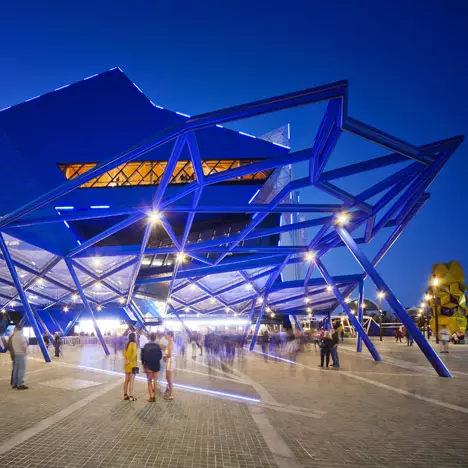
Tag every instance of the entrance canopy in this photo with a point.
(123, 200)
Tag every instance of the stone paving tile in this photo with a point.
(191, 431)
(363, 425)
(21, 409)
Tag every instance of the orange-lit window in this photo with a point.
(137, 173)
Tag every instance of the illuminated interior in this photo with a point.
(137, 173)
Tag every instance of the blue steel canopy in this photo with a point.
(239, 270)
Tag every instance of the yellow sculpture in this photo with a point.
(448, 285)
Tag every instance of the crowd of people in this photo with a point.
(154, 348)
(289, 344)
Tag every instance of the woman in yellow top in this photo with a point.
(130, 362)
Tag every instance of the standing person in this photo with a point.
(341, 330)
(46, 339)
(143, 340)
(12, 355)
(444, 336)
(151, 356)
(193, 339)
(170, 365)
(130, 366)
(20, 347)
(326, 345)
(57, 344)
(334, 350)
(265, 341)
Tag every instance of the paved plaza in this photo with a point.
(253, 413)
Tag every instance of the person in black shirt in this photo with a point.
(334, 349)
(151, 356)
(326, 345)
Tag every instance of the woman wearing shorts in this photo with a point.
(130, 366)
(151, 356)
(170, 364)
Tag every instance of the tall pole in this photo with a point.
(435, 299)
(380, 317)
(360, 314)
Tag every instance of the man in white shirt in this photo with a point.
(143, 340)
(19, 345)
(444, 335)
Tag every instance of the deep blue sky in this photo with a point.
(406, 62)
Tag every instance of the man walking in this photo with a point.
(19, 346)
(444, 336)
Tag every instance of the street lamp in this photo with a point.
(435, 287)
(427, 298)
(380, 296)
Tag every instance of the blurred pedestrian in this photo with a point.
(193, 340)
(334, 350)
(151, 356)
(46, 338)
(12, 354)
(326, 344)
(265, 340)
(57, 344)
(130, 366)
(444, 336)
(19, 345)
(143, 340)
(170, 365)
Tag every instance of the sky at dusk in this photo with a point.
(406, 62)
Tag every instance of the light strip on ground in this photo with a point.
(99, 207)
(186, 387)
(62, 208)
(274, 357)
(182, 114)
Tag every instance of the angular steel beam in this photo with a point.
(29, 313)
(358, 327)
(86, 305)
(407, 321)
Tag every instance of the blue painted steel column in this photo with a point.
(59, 328)
(248, 324)
(360, 312)
(27, 307)
(187, 329)
(360, 331)
(41, 322)
(71, 324)
(298, 325)
(407, 321)
(257, 327)
(139, 316)
(86, 305)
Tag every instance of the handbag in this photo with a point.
(135, 370)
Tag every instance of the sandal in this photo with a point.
(132, 398)
(151, 400)
(125, 397)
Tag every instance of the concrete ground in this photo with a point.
(253, 413)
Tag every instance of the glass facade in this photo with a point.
(138, 173)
